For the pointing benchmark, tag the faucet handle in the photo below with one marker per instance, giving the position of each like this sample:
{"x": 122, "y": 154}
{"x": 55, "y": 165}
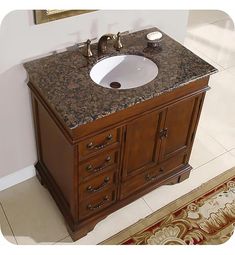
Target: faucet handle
{"x": 78, "y": 45}
{"x": 118, "y": 45}
{"x": 88, "y": 53}
{"x": 85, "y": 43}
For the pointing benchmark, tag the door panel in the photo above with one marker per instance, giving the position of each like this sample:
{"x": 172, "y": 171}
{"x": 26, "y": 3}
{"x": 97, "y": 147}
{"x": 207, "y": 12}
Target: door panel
{"x": 141, "y": 147}
{"x": 179, "y": 125}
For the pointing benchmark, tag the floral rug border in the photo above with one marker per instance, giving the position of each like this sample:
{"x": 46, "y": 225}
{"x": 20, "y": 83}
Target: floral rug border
{"x": 204, "y": 189}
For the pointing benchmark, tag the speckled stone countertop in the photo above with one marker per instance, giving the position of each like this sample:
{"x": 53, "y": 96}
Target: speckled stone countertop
{"x": 63, "y": 79}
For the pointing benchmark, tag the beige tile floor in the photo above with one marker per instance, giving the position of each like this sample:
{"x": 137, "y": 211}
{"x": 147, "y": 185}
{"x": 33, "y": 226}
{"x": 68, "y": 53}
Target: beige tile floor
{"x": 28, "y": 214}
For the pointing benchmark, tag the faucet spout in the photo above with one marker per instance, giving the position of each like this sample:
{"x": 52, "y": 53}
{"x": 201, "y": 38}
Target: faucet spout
{"x": 102, "y": 43}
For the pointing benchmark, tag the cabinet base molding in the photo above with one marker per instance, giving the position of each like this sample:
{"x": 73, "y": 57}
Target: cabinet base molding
{"x": 82, "y": 228}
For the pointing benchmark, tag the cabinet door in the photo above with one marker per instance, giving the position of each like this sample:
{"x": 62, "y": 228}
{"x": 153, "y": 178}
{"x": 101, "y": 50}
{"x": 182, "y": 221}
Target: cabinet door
{"x": 179, "y": 127}
{"x": 141, "y": 143}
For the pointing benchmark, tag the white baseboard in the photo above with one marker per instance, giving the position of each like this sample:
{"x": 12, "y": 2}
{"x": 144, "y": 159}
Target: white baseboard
{"x": 17, "y": 177}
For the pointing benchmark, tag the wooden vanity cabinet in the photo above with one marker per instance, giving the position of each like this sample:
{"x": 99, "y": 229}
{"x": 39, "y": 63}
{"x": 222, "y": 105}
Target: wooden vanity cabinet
{"x": 99, "y": 167}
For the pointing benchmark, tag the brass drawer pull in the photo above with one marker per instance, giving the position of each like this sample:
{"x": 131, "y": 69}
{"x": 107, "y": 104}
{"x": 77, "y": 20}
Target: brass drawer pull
{"x": 161, "y": 170}
{"x": 100, "y": 146}
{"x": 99, "y": 205}
{"x": 105, "y": 183}
{"x": 90, "y": 168}
{"x": 149, "y": 178}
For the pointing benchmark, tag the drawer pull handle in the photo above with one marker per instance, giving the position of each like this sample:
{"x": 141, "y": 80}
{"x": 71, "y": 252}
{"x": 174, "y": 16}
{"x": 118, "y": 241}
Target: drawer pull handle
{"x": 90, "y": 168}
{"x": 161, "y": 170}
{"x": 105, "y": 183}
{"x": 99, "y": 205}
{"x": 149, "y": 178}
{"x": 102, "y": 145}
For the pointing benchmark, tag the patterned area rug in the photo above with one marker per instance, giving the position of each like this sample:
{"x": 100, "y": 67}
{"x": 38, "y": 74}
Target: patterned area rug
{"x": 206, "y": 215}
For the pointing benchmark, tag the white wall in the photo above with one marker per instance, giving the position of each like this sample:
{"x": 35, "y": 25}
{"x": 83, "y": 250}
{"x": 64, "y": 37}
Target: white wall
{"x": 20, "y": 39}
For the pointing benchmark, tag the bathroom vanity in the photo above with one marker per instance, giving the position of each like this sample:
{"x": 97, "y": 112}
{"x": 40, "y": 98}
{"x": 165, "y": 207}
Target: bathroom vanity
{"x": 99, "y": 148}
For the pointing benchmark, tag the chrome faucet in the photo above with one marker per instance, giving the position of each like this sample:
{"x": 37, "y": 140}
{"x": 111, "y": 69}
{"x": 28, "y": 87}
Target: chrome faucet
{"x": 102, "y": 43}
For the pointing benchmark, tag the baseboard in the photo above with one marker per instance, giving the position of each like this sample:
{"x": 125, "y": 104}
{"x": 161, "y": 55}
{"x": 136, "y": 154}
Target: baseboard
{"x": 17, "y": 177}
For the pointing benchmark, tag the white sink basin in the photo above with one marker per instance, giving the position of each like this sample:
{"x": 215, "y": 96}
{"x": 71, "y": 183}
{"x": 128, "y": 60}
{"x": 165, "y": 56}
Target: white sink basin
{"x": 124, "y": 72}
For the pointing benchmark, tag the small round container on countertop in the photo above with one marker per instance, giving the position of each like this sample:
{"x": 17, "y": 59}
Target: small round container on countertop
{"x": 154, "y": 38}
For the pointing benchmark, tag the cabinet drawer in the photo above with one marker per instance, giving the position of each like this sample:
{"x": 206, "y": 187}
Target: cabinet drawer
{"x": 98, "y": 164}
{"x": 151, "y": 176}
{"x": 97, "y": 185}
{"x": 99, "y": 142}
{"x": 172, "y": 164}
{"x": 96, "y": 203}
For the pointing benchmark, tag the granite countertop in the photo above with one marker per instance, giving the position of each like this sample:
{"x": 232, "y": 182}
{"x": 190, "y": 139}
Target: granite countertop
{"x": 63, "y": 79}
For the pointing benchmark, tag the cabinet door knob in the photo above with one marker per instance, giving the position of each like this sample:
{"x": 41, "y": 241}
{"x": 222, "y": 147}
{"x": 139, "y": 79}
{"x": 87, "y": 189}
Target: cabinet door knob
{"x": 163, "y": 133}
{"x": 166, "y": 132}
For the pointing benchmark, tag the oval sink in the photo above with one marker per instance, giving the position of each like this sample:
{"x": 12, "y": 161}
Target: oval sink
{"x": 124, "y": 72}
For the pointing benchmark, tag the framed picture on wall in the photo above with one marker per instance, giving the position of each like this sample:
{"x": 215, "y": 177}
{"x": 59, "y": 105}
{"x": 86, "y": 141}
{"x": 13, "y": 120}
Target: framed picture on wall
{"x": 43, "y": 16}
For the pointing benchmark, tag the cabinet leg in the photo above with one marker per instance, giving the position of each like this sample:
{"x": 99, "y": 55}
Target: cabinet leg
{"x": 181, "y": 177}
{"x": 76, "y": 235}
{"x": 81, "y": 229}
{"x": 184, "y": 176}
{"x": 39, "y": 176}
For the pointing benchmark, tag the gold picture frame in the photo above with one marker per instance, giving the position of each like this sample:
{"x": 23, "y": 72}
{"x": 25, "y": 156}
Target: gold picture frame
{"x": 43, "y": 16}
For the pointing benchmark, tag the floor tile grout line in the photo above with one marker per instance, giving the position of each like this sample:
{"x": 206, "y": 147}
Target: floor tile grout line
{"x": 227, "y": 69}
{"x": 206, "y": 24}
{"x": 233, "y": 66}
{"x": 231, "y": 153}
{"x": 219, "y": 143}
{"x": 212, "y": 137}
{"x": 211, "y": 160}
{"x": 212, "y": 22}
{"x": 8, "y": 223}
{"x": 61, "y": 239}
{"x": 148, "y": 205}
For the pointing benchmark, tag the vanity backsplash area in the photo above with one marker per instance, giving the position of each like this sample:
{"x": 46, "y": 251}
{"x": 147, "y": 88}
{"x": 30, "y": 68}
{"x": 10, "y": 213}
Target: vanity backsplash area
{"x": 116, "y": 123}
